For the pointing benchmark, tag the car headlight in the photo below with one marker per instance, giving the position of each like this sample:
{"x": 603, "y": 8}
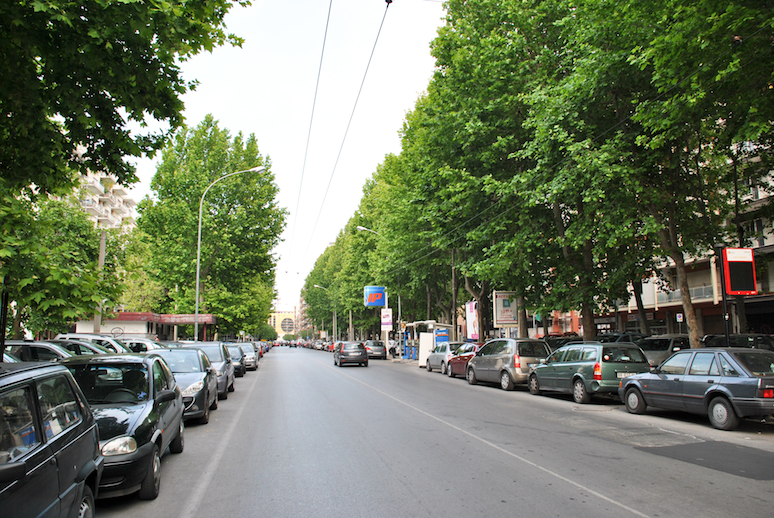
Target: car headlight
{"x": 119, "y": 446}
{"x": 193, "y": 389}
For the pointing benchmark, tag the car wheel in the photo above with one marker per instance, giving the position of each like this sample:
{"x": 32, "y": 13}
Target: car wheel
{"x": 178, "y": 443}
{"x": 635, "y": 404}
{"x": 231, "y": 387}
{"x": 429, "y": 367}
{"x": 471, "y": 376}
{"x": 579, "y": 394}
{"x": 205, "y": 418}
{"x": 449, "y": 371}
{"x": 721, "y": 414}
{"x": 86, "y": 509}
{"x": 443, "y": 367}
{"x": 506, "y": 383}
{"x": 365, "y": 364}
{"x": 152, "y": 481}
{"x": 224, "y": 395}
{"x": 534, "y": 385}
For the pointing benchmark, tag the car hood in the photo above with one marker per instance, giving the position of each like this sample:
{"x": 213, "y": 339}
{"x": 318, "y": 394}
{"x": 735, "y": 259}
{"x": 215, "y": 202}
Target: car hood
{"x": 115, "y": 420}
{"x": 186, "y": 379}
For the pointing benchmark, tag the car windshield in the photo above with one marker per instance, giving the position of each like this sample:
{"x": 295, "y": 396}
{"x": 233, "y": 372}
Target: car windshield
{"x": 759, "y": 364}
{"x": 213, "y": 352}
{"x": 657, "y": 344}
{"x": 623, "y": 355}
{"x": 235, "y": 352}
{"x": 181, "y": 360}
{"x": 115, "y": 383}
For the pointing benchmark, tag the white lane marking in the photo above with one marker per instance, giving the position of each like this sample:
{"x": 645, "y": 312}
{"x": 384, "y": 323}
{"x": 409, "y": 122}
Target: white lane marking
{"x": 498, "y": 448}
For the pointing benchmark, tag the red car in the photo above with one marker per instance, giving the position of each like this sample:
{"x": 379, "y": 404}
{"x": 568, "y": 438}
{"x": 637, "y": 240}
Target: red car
{"x": 459, "y": 362}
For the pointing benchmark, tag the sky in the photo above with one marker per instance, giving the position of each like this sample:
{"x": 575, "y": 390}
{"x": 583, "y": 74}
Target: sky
{"x": 267, "y": 87}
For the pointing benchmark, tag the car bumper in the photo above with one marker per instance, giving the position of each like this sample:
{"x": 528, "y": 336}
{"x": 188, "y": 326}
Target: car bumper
{"x": 123, "y": 474}
{"x": 195, "y": 406}
{"x": 352, "y": 359}
{"x": 751, "y": 407}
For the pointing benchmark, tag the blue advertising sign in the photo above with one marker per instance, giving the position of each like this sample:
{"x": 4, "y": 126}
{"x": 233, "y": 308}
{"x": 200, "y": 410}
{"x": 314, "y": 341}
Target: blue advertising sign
{"x": 441, "y": 335}
{"x": 374, "y": 296}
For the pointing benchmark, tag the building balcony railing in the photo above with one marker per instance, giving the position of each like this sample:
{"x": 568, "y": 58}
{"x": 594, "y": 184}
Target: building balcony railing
{"x": 92, "y": 207}
{"x": 697, "y": 293}
{"x": 93, "y": 185}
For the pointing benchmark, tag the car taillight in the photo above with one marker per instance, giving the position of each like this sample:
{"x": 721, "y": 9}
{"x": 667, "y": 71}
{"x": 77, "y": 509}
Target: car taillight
{"x": 767, "y": 393}
{"x": 516, "y": 361}
{"x": 597, "y": 371}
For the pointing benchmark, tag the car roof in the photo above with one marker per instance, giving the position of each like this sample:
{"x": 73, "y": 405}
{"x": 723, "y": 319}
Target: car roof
{"x": 12, "y": 372}
{"x": 110, "y": 358}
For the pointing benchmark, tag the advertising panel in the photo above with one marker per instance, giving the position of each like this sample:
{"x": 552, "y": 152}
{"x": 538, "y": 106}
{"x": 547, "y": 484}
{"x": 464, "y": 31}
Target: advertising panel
{"x": 505, "y": 310}
{"x": 387, "y": 319}
{"x": 471, "y": 317}
{"x": 441, "y": 335}
{"x": 740, "y": 271}
{"x": 374, "y": 296}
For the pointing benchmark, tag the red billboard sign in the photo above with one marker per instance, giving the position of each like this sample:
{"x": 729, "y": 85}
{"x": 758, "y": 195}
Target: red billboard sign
{"x": 739, "y": 271}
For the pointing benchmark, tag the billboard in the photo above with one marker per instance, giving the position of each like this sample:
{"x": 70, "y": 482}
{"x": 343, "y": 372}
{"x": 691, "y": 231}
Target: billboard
{"x": 505, "y": 310}
{"x": 387, "y": 319}
{"x": 739, "y": 271}
{"x": 374, "y": 296}
{"x": 471, "y": 317}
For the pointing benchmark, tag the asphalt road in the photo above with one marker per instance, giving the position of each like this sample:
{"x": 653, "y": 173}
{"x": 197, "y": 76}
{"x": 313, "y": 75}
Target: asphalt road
{"x": 301, "y": 437}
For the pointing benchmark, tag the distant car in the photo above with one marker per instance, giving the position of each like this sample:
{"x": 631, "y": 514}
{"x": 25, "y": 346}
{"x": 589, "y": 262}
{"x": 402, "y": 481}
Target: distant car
{"x": 196, "y": 379}
{"x": 607, "y": 338}
{"x": 139, "y": 411}
{"x": 108, "y": 342}
{"x": 350, "y": 352}
{"x": 37, "y": 351}
{"x": 587, "y": 368}
{"x": 506, "y": 361}
{"x": 458, "y": 363}
{"x": 440, "y": 356}
{"x": 376, "y": 349}
{"x": 142, "y": 345}
{"x": 50, "y": 461}
{"x": 751, "y": 340}
{"x": 660, "y": 347}
{"x": 221, "y": 362}
{"x": 725, "y": 384}
{"x": 238, "y": 359}
{"x": 78, "y": 347}
{"x": 251, "y": 355}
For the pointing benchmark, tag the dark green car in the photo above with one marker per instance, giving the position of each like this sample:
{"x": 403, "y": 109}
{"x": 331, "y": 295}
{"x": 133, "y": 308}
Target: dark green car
{"x": 586, "y": 368}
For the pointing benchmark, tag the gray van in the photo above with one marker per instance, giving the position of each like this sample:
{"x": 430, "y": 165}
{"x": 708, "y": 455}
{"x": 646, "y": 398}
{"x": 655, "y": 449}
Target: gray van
{"x": 506, "y": 361}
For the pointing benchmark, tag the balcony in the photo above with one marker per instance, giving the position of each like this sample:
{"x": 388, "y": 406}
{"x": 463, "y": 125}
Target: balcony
{"x": 93, "y": 185}
{"x": 92, "y": 207}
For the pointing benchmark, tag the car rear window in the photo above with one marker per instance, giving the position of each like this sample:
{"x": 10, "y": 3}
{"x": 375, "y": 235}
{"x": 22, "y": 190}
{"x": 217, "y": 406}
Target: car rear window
{"x": 352, "y": 347}
{"x": 623, "y": 355}
{"x": 660, "y": 344}
{"x": 759, "y": 364}
{"x": 533, "y": 349}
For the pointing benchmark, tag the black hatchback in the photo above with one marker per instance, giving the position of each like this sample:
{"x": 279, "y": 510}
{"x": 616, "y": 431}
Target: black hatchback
{"x": 50, "y": 462}
{"x": 350, "y": 352}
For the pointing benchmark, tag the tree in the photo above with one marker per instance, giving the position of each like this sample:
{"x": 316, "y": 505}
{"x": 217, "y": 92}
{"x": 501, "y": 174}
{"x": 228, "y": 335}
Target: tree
{"x": 241, "y": 224}
{"x": 82, "y": 70}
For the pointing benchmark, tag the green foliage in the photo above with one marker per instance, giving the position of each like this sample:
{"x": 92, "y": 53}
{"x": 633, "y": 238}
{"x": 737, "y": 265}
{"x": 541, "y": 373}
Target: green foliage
{"x": 82, "y": 70}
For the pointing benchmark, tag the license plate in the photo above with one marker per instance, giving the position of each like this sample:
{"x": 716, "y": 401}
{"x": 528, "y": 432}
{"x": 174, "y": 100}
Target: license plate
{"x": 625, "y": 374}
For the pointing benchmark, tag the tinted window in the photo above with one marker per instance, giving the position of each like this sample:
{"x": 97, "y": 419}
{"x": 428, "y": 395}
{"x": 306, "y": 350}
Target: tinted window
{"x": 766, "y": 342}
{"x": 556, "y": 356}
{"x": 761, "y": 364}
{"x": 532, "y": 349}
{"x": 18, "y": 431}
{"x": 657, "y": 344}
{"x": 353, "y": 347}
{"x": 58, "y": 405}
{"x": 487, "y": 349}
{"x": 676, "y": 364}
{"x": 160, "y": 379}
{"x": 704, "y": 365}
{"x": 573, "y": 354}
{"x": 728, "y": 369}
{"x": 623, "y": 355}
{"x": 500, "y": 347}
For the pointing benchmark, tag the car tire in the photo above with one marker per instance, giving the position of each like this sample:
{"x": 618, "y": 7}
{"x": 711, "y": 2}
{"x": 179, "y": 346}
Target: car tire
{"x": 443, "y": 368}
{"x": 721, "y": 414}
{"x": 471, "y": 376}
{"x": 579, "y": 393}
{"x": 534, "y": 385}
{"x": 231, "y": 387}
{"x": 86, "y": 509}
{"x": 449, "y": 371}
{"x": 429, "y": 367}
{"x": 224, "y": 395}
{"x": 205, "y": 418}
{"x": 506, "y": 383}
{"x": 634, "y": 401}
{"x": 149, "y": 489}
{"x": 178, "y": 443}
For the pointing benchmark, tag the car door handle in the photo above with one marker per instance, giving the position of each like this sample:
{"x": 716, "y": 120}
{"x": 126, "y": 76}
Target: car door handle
{"x": 711, "y": 382}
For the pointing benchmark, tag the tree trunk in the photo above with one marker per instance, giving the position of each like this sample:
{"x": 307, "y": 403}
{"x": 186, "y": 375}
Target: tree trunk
{"x": 644, "y": 324}
{"x": 688, "y": 309}
{"x": 523, "y": 328}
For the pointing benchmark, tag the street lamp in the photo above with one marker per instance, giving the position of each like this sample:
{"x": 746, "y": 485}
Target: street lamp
{"x": 335, "y": 330}
{"x": 258, "y": 169}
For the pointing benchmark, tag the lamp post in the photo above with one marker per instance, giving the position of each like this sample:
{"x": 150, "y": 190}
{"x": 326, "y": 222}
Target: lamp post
{"x": 335, "y": 330}
{"x": 258, "y": 169}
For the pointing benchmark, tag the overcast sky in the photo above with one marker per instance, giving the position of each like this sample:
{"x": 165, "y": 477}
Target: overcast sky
{"x": 267, "y": 88}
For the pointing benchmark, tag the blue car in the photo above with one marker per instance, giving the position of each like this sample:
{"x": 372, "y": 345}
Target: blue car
{"x": 726, "y": 384}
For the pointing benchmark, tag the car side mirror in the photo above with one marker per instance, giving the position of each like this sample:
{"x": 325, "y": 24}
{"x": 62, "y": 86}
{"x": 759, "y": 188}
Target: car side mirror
{"x": 654, "y": 370}
{"x": 543, "y": 361}
{"x": 164, "y": 396}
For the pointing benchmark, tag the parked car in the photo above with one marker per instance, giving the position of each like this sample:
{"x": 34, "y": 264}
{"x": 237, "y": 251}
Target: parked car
{"x": 221, "y": 362}
{"x": 108, "y": 342}
{"x": 250, "y": 353}
{"x": 238, "y": 359}
{"x": 607, "y": 338}
{"x": 142, "y": 345}
{"x": 196, "y": 379}
{"x": 506, "y": 361}
{"x": 139, "y": 411}
{"x": 50, "y": 461}
{"x": 587, "y": 368}
{"x": 350, "y": 352}
{"x": 458, "y": 363}
{"x": 725, "y": 384}
{"x": 751, "y": 340}
{"x": 376, "y": 349}
{"x": 78, "y": 348}
{"x": 440, "y": 356}
{"x": 660, "y": 347}
{"x": 37, "y": 351}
